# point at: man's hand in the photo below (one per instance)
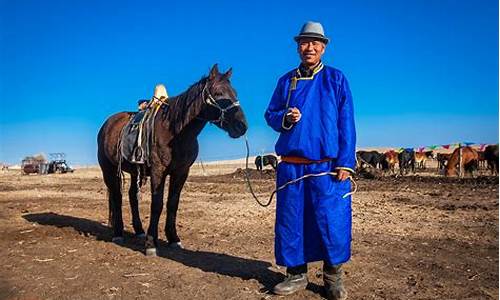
(293, 115)
(343, 174)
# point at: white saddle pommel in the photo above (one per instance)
(160, 92)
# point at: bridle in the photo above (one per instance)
(209, 100)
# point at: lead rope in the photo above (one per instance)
(247, 177)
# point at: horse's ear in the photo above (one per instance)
(213, 72)
(228, 74)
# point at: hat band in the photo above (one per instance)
(311, 35)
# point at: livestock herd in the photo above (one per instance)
(449, 164)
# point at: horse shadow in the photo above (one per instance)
(206, 261)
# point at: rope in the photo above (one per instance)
(247, 177)
(119, 158)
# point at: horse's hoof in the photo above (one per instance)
(151, 252)
(141, 235)
(176, 245)
(118, 240)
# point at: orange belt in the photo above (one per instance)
(302, 160)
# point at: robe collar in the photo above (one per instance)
(305, 72)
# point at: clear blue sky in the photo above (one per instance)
(421, 72)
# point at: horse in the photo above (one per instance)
(481, 159)
(391, 160)
(469, 161)
(421, 158)
(261, 161)
(491, 157)
(372, 158)
(174, 149)
(406, 161)
(442, 159)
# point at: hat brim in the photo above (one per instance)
(316, 36)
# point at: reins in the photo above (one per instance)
(247, 177)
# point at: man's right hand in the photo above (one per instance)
(293, 115)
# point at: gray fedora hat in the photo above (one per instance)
(312, 30)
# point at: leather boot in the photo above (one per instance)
(291, 284)
(296, 280)
(332, 278)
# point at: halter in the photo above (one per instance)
(213, 102)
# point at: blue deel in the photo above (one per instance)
(313, 221)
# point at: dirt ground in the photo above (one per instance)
(416, 237)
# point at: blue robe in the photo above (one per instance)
(313, 221)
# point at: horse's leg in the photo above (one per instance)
(134, 195)
(177, 180)
(113, 183)
(157, 189)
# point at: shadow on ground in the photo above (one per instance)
(222, 264)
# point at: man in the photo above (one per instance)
(312, 110)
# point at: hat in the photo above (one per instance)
(160, 91)
(312, 30)
(142, 101)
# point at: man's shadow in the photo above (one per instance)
(222, 264)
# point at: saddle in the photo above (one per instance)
(136, 138)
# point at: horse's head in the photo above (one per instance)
(222, 107)
(450, 171)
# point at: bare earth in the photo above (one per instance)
(418, 237)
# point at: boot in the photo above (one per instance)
(332, 278)
(296, 280)
(291, 284)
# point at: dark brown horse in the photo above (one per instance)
(491, 157)
(469, 161)
(442, 159)
(174, 150)
(263, 160)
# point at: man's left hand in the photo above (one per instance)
(343, 174)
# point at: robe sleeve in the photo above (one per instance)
(346, 158)
(276, 111)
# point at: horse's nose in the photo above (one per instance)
(241, 127)
(237, 130)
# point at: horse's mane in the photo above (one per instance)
(182, 108)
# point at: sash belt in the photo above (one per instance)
(303, 160)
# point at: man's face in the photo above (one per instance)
(310, 51)
(143, 106)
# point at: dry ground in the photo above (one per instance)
(417, 237)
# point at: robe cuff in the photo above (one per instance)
(346, 169)
(285, 124)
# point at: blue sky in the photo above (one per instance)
(421, 72)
